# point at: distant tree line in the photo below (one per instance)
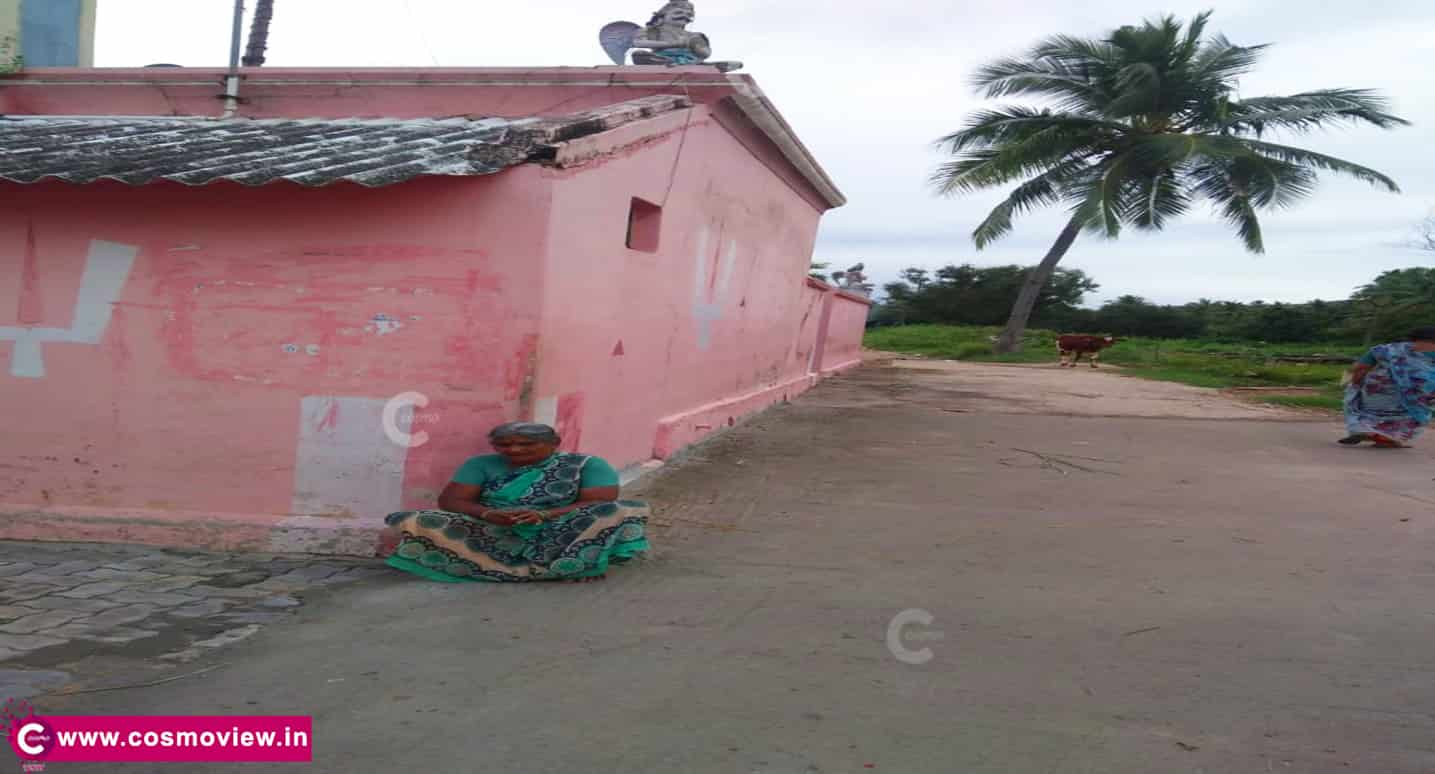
(1384, 310)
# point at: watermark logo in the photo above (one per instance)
(153, 739)
(898, 636)
(31, 738)
(400, 416)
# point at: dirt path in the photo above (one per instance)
(1046, 389)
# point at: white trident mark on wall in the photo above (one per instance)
(707, 304)
(106, 269)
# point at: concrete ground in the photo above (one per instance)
(912, 572)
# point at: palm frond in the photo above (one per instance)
(977, 169)
(1223, 60)
(1240, 214)
(1215, 181)
(1312, 110)
(998, 126)
(1097, 199)
(1157, 198)
(1272, 182)
(974, 171)
(1153, 39)
(999, 146)
(1168, 151)
(1044, 189)
(1311, 159)
(1093, 59)
(1138, 90)
(1110, 189)
(1071, 90)
(1191, 44)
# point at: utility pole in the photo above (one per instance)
(231, 80)
(259, 33)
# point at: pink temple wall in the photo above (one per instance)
(230, 391)
(846, 325)
(660, 348)
(251, 343)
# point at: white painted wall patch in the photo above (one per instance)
(708, 301)
(345, 464)
(107, 267)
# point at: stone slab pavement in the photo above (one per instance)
(896, 576)
(73, 616)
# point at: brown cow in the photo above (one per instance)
(1072, 347)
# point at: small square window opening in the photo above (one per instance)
(645, 222)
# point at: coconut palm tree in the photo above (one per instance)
(1135, 128)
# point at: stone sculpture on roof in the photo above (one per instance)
(665, 41)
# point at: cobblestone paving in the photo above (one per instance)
(63, 601)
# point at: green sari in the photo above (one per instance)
(455, 548)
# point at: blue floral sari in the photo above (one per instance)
(453, 547)
(1397, 397)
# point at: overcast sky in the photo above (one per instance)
(869, 86)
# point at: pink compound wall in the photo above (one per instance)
(212, 366)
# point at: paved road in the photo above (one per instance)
(1107, 595)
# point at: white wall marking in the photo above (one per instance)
(345, 463)
(107, 267)
(708, 310)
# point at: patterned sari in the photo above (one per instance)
(453, 548)
(1397, 397)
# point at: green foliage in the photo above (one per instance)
(970, 295)
(11, 60)
(957, 342)
(972, 351)
(1385, 310)
(1326, 402)
(1393, 304)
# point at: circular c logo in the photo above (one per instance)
(894, 636)
(396, 404)
(33, 739)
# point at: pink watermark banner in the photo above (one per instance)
(160, 739)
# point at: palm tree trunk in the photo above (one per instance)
(259, 34)
(1010, 338)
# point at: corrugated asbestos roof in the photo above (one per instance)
(311, 152)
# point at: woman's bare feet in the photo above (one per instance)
(389, 539)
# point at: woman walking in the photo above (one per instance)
(1391, 395)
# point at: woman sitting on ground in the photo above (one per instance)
(527, 513)
(1391, 395)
